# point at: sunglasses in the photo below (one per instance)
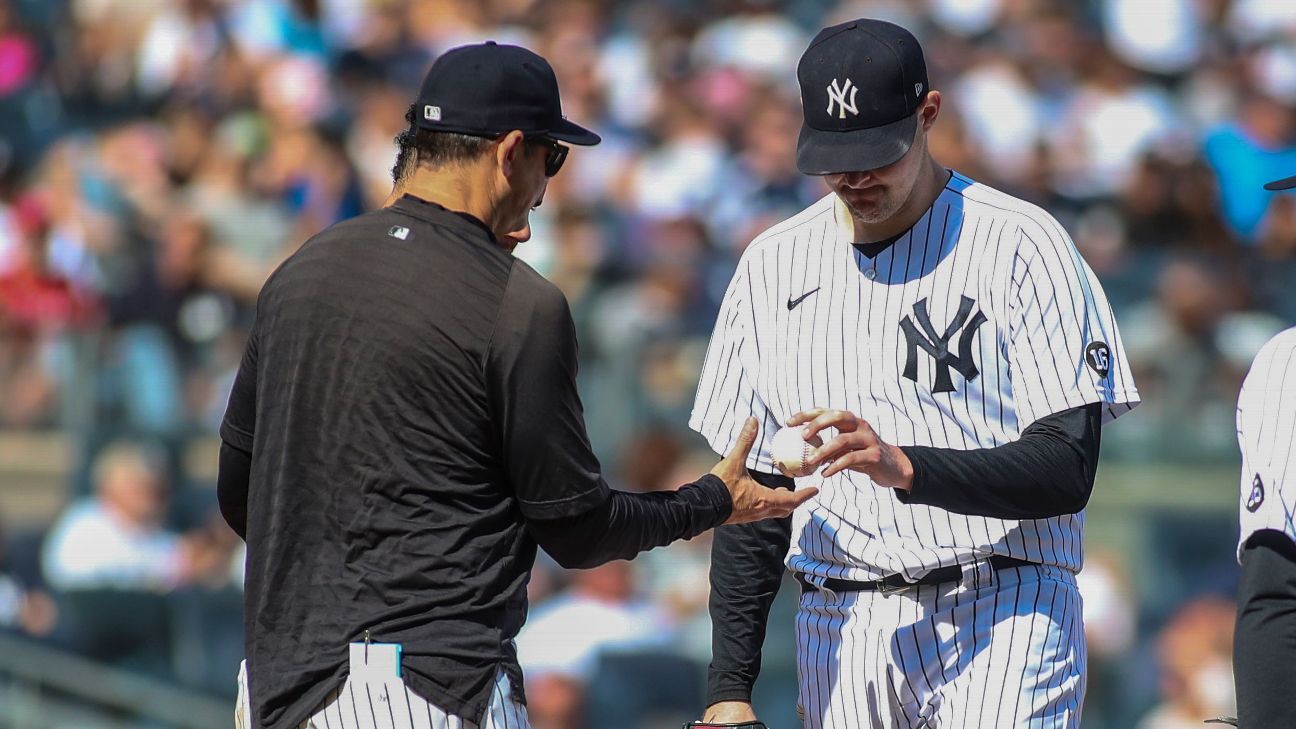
(555, 154)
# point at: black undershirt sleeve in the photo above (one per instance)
(746, 571)
(627, 524)
(236, 432)
(1265, 640)
(1048, 471)
(570, 510)
(232, 487)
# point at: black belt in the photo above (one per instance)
(897, 582)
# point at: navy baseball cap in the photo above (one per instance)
(1285, 183)
(490, 89)
(861, 84)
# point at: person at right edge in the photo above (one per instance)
(1264, 642)
(959, 359)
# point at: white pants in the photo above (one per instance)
(390, 704)
(999, 649)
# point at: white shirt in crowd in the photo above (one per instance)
(91, 548)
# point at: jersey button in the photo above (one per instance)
(870, 273)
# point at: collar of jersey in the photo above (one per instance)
(434, 213)
(846, 228)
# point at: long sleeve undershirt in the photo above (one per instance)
(1048, 471)
(1265, 639)
(627, 524)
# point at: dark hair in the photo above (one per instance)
(418, 146)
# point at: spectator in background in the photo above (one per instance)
(1112, 119)
(1110, 616)
(1165, 37)
(115, 538)
(23, 608)
(38, 306)
(560, 646)
(1193, 342)
(1195, 651)
(19, 57)
(1260, 146)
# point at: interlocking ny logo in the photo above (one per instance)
(838, 96)
(938, 345)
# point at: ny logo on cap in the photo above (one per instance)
(838, 96)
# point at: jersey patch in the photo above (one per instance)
(1098, 357)
(938, 345)
(1257, 495)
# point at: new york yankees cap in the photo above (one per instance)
(1285, 183)
(861, 84)
(489, 89)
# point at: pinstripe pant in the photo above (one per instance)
(390, 704)
(999, 649)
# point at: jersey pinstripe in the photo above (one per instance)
(1266, 423)
(372, 703)
(978, 321)
(998, 649)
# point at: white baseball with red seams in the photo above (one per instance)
(792, 452)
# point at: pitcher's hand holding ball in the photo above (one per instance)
(857, 447)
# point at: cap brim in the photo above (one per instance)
(1286, 183)
(574, 133)
(825, 152)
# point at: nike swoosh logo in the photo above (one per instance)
(793, 303)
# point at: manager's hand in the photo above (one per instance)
(752, 501)
(857, 447)
(729, 712)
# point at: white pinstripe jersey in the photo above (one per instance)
(978, 321)
(1266, 423)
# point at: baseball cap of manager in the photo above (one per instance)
(861, 84)
(1285, 183)
(489, 89)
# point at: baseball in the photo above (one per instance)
(792, 451)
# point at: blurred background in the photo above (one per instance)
(158, 158)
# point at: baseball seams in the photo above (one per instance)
(792, 453)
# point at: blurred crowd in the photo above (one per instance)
(158, 158)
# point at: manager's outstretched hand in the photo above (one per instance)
(730, 712)
(752, 501)
(857, 447)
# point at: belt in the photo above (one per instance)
(897, 583)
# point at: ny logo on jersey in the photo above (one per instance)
(838, 96)
(1257, 495)
(938, 345)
